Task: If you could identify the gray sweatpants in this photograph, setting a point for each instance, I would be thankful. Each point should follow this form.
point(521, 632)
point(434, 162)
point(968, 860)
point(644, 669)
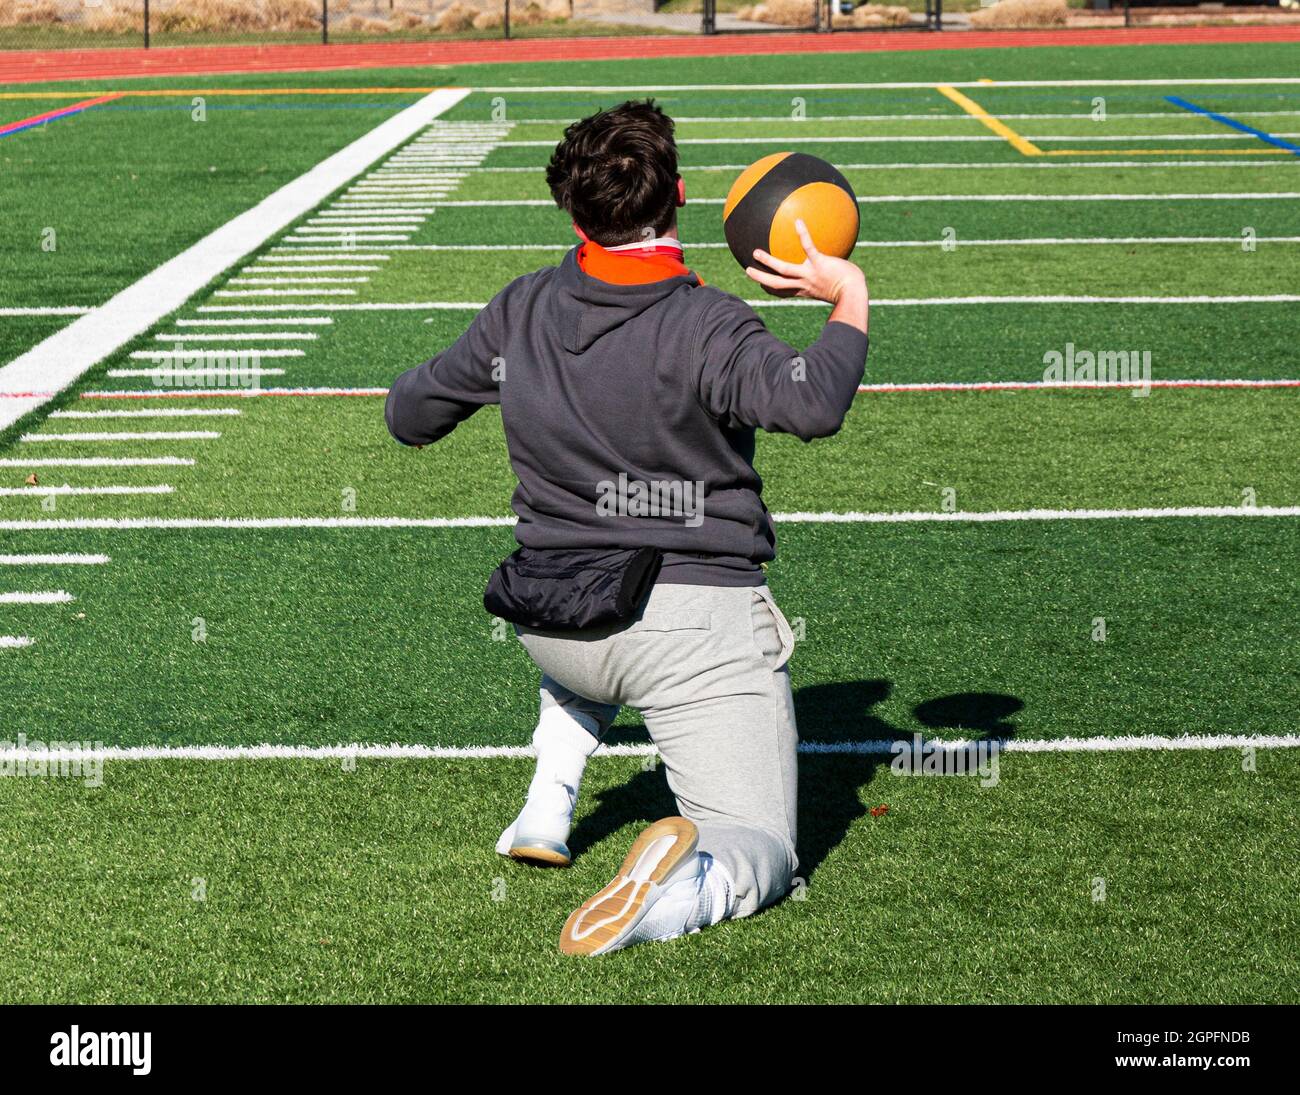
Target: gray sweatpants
point(706, 666)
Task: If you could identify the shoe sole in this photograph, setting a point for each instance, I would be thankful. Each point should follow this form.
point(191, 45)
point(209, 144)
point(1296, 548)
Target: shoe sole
point(619, 906)
point(541, 852)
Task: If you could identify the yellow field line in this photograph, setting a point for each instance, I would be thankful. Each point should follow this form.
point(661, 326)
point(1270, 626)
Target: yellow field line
point(185, 92)
point(1024, 147)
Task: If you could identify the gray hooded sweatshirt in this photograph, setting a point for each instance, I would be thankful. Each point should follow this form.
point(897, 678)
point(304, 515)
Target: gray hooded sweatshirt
point(630, 411)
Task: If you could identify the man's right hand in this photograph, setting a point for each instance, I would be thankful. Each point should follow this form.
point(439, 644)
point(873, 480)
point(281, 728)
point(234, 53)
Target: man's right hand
point(818, 277)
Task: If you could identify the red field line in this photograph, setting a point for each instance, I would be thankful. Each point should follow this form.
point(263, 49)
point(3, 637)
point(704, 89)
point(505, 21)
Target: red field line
point(28, 66)
point(60, 112)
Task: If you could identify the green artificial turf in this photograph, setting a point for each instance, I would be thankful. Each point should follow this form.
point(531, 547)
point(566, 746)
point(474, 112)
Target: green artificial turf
point(378, 635)
point(321, 883)
point(19, 333)
point(127, 185)
point(897, 451)
point(380, 884)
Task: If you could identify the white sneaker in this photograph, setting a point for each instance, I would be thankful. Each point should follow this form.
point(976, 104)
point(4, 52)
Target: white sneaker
point(657, 894)
point(540, 833)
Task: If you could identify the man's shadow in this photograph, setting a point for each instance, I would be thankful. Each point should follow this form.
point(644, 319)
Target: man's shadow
point(831, 784)
point(839, 713)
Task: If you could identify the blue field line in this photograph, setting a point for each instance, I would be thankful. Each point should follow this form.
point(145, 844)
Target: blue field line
point(1232, 123)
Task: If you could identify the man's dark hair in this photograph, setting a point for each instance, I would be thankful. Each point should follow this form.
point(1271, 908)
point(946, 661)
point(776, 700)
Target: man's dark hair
point(615, 173)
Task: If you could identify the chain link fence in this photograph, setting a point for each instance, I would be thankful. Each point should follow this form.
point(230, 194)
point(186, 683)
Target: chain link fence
point(52, 24)
point(47, 24)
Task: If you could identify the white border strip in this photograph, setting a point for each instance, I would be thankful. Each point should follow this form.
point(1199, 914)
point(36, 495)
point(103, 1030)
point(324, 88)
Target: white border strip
point(57, 361)
point(878, 747)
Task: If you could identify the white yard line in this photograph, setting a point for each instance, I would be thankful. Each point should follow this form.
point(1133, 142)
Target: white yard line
point(239, 373)
point(120, 524)
point(314, 268)
point(376, 207)
point(885, 199)
point(160, 412)
point(895, 85)
point(1267, 298)
point(101, 462)
point(350, 237)
point(54, 559)
point(13, 642)
point(1044, 385)
point(306, 321)
point(876, 747)
point(965, 138)
point(359, 232)
point(316, 254)
point(148, 435)
point(61, 310)
point(227, 336)
point(816, 119)
point(936, 242)
point(1281, 161)
point(403, 183)
point(15, 492)
point(477, 306)
point(210, 355)
point(232, 393)
point(370, 220)
point(60, 359)
point(298, 281)
point(54, 597)
point(916, 386)
point(287, 292)
point(397, 220)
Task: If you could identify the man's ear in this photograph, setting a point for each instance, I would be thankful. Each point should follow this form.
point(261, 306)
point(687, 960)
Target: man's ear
point(581, 234)
point(681, 191)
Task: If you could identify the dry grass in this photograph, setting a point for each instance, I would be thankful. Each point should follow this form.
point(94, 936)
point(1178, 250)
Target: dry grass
point(1007, 14)
point(115, 17)
point(456, 18)
point(784, 13)
point(29, 13)
point(533, 13)
point(801, 13)
point(190, 16)
point(369, 17)
point(874, 15)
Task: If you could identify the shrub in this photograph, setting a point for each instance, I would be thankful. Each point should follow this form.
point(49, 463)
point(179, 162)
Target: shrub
point(29, 13)
point(875, 15)
point(456, 18)
point(1021, 13)
point(784, 13)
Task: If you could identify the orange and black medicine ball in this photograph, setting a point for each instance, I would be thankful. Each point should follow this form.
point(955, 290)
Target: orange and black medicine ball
point(774, 192)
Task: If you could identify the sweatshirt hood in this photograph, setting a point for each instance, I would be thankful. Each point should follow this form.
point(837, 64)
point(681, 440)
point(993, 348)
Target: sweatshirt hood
point(589, 308)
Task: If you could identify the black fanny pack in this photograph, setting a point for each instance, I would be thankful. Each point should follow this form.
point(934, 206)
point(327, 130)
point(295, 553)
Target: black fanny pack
point(565, 589)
